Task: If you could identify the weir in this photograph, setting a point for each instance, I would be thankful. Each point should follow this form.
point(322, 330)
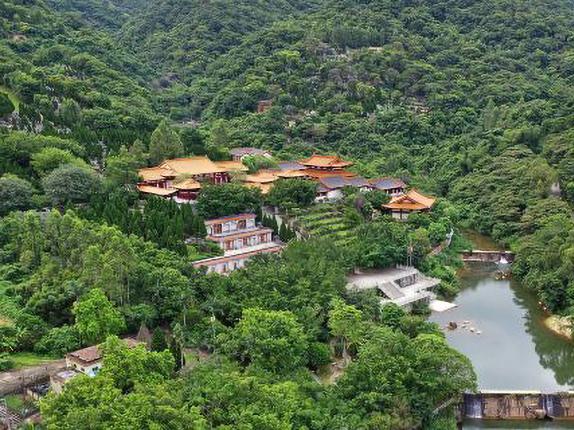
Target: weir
point(518, 405)
point(488, 256)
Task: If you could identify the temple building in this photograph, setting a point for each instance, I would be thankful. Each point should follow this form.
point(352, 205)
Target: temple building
point(239, 154)
point(264, 179)
point(331, 187)
point(240, 238)
point(319, 166)
point(163, 180)
point(402, 205)
point(391, 186)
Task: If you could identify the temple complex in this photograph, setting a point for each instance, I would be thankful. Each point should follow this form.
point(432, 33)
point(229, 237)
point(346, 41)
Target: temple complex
point(181, 178)
point(402, 205)
point(240, 238)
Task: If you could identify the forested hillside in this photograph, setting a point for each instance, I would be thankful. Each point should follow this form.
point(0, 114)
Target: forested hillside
point(469, 101)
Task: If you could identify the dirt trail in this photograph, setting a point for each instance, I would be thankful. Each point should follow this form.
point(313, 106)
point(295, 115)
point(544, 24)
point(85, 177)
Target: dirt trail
point(11, 381)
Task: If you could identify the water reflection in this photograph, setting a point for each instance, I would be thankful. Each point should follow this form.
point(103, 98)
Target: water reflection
point(554, 352)
point(515, 351)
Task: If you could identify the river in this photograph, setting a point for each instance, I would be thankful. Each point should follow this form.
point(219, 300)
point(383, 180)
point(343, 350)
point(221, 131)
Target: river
point(514, 350)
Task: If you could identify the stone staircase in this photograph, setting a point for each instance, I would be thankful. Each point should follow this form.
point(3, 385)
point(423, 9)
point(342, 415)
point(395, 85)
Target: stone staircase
point(8, 418)
point(391, 290)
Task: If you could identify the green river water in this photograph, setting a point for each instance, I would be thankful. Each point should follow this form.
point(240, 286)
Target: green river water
point(514, 350)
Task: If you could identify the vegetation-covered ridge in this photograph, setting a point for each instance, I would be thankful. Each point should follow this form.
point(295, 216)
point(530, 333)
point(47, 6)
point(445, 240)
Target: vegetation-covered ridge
point(468, 101)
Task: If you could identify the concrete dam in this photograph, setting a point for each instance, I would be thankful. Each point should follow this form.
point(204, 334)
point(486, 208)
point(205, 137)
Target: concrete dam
point(518, 405)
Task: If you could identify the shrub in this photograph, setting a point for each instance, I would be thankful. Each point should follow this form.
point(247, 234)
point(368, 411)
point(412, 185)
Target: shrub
point(318, 354)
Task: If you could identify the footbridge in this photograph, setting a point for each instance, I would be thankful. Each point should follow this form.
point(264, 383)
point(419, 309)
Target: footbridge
point(488, 256)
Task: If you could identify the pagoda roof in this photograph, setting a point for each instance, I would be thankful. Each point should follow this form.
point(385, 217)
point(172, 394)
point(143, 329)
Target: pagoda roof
point(290, 165)
point(386, 183)
point(264, 187)
point(154, 173)
point(325, 161)
point(188, 184)
point(261, 177)
point(334, 182)
point(148, 189)
point(192, 166)
point(318, 174)
point(291, 174)
point(412, 200)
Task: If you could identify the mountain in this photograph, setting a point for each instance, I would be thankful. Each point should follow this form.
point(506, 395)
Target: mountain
point(184, 36)
point(103, 14)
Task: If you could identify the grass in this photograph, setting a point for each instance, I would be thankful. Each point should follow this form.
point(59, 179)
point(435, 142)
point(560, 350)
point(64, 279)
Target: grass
point(12, 96)
point(16, 404)
point(29, 359)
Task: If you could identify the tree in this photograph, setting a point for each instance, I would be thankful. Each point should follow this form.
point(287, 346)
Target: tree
point(270, 340)
point(164, 144)
point(346, 322)
point(6, 105)
point(59, 341)
point(96, 402)
point(158, 342)
point(257, 162)
point(391, 315)
point(15, 194)
point(127, 366)
point(227, 199)
point(192, 141)
point(49, 159)
point(96, 317)
point(71, 183)
point(122, 169)
point(292, 192)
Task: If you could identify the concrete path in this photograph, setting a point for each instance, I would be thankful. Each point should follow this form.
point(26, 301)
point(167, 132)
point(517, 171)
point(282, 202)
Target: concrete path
point(11, 381)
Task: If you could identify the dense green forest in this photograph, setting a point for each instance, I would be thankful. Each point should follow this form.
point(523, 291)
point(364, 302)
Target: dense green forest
point(470, 101)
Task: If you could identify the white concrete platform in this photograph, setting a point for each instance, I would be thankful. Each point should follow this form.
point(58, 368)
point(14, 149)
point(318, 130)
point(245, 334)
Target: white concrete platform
point(440, 306)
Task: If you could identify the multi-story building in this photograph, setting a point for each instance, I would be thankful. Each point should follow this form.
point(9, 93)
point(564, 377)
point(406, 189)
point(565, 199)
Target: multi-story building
point(240, 238)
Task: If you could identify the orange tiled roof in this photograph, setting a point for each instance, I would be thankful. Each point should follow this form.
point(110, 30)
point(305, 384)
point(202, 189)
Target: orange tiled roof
point(261, 177)
point(192, 166)
point(291, 174)
point(237, 166)
point(264, 187)
point(188, 184)
point(412, 200)
point(154, 173)
point(148, 189)
point(94, 353)
point(326, 161)
point(317, 174)
point(229, 218)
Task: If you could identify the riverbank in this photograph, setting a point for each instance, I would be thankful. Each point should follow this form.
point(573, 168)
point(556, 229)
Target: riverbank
point(562, 326)
point(515, 350)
